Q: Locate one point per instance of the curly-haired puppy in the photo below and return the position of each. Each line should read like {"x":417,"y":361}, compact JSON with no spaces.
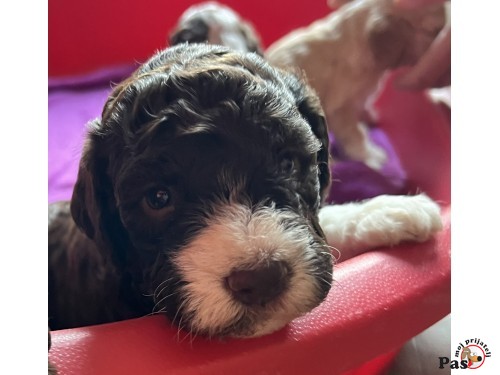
{"x":214,"y":23}
{"x":198,"y":196}
{"x":345,"y":55}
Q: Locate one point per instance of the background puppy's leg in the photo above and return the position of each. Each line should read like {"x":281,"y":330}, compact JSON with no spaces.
{"x":352,"y":136}
{"x":386,"y":220}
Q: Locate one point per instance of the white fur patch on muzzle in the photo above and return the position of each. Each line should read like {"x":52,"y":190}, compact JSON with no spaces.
{"x":239,"y":237}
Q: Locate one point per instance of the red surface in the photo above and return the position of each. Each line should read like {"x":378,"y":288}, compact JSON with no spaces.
{"x":379,"y":300}
{"x":84,"y":35}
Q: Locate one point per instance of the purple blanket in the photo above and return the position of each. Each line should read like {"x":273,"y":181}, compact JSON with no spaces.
{"x":74,"y":101}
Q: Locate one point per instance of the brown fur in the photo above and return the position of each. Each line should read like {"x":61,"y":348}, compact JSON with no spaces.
{"x":344,"y":56}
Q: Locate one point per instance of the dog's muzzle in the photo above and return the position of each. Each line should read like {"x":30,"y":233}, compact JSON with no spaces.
{"x":250,"y":271}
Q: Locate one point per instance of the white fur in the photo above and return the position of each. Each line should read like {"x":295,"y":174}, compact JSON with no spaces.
{"x":238,"y":237}
{"x":223,"y":22}
{"x":385,"y":220}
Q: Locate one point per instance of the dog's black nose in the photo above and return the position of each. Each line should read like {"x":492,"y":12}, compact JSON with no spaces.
{"x":259,"y":286}
{"x":479,"y":358}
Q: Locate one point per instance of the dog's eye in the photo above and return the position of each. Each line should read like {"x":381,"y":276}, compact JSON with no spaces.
{"x":289,"y":163}
{"x":158,"y":198}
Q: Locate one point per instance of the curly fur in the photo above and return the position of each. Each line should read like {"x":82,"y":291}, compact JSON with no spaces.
{"x":222,"y":132}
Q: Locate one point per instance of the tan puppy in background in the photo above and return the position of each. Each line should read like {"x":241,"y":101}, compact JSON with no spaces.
{"x":345,"y":55}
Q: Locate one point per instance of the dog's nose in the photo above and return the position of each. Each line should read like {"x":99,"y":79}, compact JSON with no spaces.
{"x":259,"y":286}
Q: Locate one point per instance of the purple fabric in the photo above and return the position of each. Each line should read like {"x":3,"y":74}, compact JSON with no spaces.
{"x":354,"y":181}
{"x":74,"y":101}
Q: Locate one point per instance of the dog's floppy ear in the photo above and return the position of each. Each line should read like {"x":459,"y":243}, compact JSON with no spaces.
{"x":465,"y":353}
{"x":312,"y":111}
{"x":310,"y":108}
{"x":88,"y":192}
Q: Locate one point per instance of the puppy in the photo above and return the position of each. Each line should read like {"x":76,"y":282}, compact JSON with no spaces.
{"x":198,"y":196}
{"x":345,"y":55}
{"x":215,"y":23}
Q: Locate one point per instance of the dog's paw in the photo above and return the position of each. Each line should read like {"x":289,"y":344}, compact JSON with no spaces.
{"x":366,"y":151}
{"x":386,"y":220}
{"x":375,"y":156}
{"x":390,"y":220}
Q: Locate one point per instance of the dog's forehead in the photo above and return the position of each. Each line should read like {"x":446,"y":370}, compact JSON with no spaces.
{"x":225,"y":138}
{"x":238,"y":110}
{"x":249,"y":125}
{"x":218,"y":146}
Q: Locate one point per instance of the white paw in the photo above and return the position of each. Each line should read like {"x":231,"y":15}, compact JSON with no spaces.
{"x":375,"y":156}
{"x":366,"y":151}
{"x":386,"y":220}
{"x":389,"y":220}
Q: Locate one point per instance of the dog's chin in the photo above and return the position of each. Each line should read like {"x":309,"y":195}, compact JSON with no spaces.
{"x":266,"y":327}
{"x":261,"y":329}
{"x":253,"y":324}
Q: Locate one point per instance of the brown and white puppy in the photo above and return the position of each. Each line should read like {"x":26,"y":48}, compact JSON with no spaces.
{"x":345,"y":55}
{"x":214,"y":23}
{"x":199,"y":196}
